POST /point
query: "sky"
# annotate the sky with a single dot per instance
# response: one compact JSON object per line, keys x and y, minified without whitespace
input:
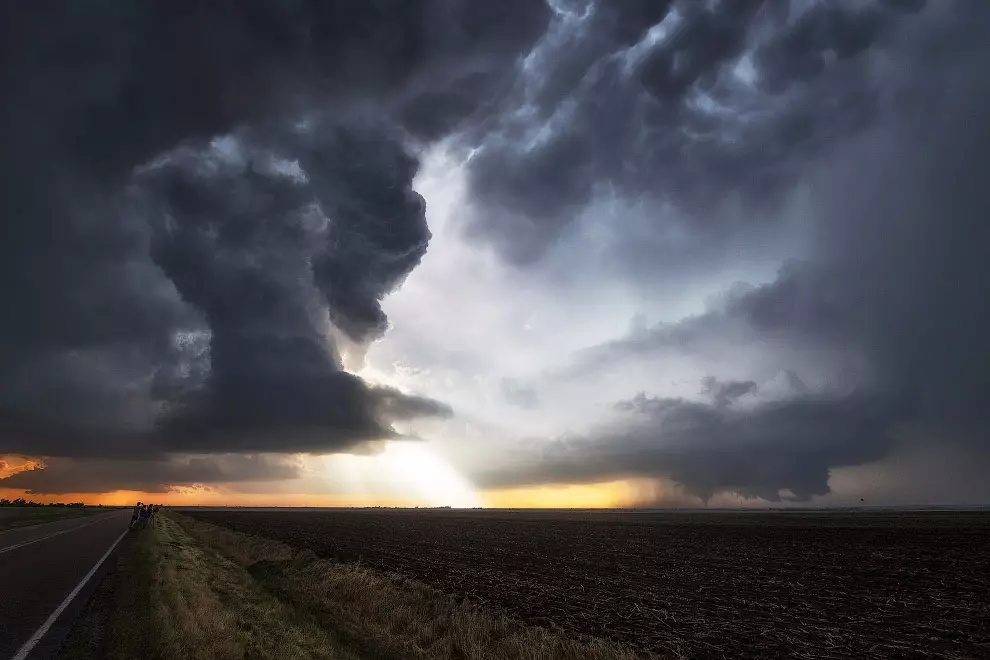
{"x":576,"y":253}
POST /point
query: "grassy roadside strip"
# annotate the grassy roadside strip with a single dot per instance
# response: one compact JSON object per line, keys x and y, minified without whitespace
{"x":171,"y":597}
{"x":186,"y":589}
{"x":376,"y":615}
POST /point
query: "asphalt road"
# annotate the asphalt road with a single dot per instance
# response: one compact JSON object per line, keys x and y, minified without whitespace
{"x":42,"y":565}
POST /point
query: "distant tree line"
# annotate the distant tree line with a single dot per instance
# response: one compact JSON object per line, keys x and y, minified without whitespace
{"x":20,"y":501}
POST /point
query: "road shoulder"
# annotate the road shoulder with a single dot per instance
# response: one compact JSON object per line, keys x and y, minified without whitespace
{"x":170,"y":597}
{"x":115,"y":622}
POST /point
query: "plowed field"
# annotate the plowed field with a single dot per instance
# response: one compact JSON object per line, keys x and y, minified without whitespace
{"x":701,"y":585}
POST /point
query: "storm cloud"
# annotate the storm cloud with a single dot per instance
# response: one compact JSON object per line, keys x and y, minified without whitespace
{"x":776,"y":450}
{"x":204,"y":205}
{"x":199,"y":198}
{"x":879,"y":329}
{"x":690,"y":104}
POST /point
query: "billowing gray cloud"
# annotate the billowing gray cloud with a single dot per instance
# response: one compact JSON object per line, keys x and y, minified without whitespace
{"x":685,"y":103}
{"x":199,"y":201}
{"x":724,"y":393}
{"x":804,"y":306}
{"x":896,"y":268}
{"x":197,"y":196}
{"x":889,"y":296}
{"x":272,"y":252}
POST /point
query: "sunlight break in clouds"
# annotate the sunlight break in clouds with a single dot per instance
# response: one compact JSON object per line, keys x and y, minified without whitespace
{"x":406,"y":471}
{"x":646,"y":251}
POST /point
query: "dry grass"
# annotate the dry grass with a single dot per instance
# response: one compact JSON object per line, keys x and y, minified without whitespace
{"x":373,"y":614}
{"x":173,"y":598}
{"x":208,"y":606}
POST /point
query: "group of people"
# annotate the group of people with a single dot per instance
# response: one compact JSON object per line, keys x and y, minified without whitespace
{"x":143,"y":515}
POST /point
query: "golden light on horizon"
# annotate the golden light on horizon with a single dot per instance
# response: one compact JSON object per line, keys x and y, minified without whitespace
{"x":407,"y":471}
{"x":603,"y":495}
{"x":405,"y":474}
{"x":430,"y":477}
{"x":191,"y":496}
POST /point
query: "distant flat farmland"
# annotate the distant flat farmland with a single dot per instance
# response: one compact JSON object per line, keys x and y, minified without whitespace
{"x":22,"y":516}
{"x":702,"y":585}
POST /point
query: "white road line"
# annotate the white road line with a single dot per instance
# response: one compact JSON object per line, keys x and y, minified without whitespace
{"x":52,"y":535}
{"x":40,"y":632}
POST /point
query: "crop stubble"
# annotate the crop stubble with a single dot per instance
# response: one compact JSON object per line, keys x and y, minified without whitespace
{"x":702,"y":585}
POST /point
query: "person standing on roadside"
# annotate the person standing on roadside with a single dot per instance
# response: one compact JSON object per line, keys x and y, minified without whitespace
{"x":135,"y":515}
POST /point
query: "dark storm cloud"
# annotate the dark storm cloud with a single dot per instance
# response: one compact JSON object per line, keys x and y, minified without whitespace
{"x":687,"y":103}
{"x":197,"y":197}
{"x":709,"y":448}
{"x":264,"y":248}
{"x":68,"y":475}
{"x":803,"y":306}
{"x":724,"y":393}
{"x":897,"y":277}
{"x":192,"y":308}
{"x":897,"y":270}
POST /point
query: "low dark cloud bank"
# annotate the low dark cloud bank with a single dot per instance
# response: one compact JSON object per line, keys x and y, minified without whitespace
{"x":710,"y":447}
{"x":67,"y":475}
{"x":192,"y":192}
{"x":196,"y":198}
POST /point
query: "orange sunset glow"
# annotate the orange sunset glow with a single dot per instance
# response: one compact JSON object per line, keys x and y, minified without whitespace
{"x":607,"y":494}
{"x":581,"y":496}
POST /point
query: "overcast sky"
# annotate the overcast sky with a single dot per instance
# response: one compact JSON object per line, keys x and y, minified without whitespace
{"x":573,"y":252}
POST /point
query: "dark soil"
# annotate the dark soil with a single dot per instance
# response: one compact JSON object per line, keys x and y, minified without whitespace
{"x":702,"y":585}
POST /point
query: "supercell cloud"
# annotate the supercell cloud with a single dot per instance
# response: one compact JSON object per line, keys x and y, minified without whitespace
{"x":689,"y":103}
{"x":196,"y":198}
{"x":205,"y":204}
{"x":875,"y":114}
